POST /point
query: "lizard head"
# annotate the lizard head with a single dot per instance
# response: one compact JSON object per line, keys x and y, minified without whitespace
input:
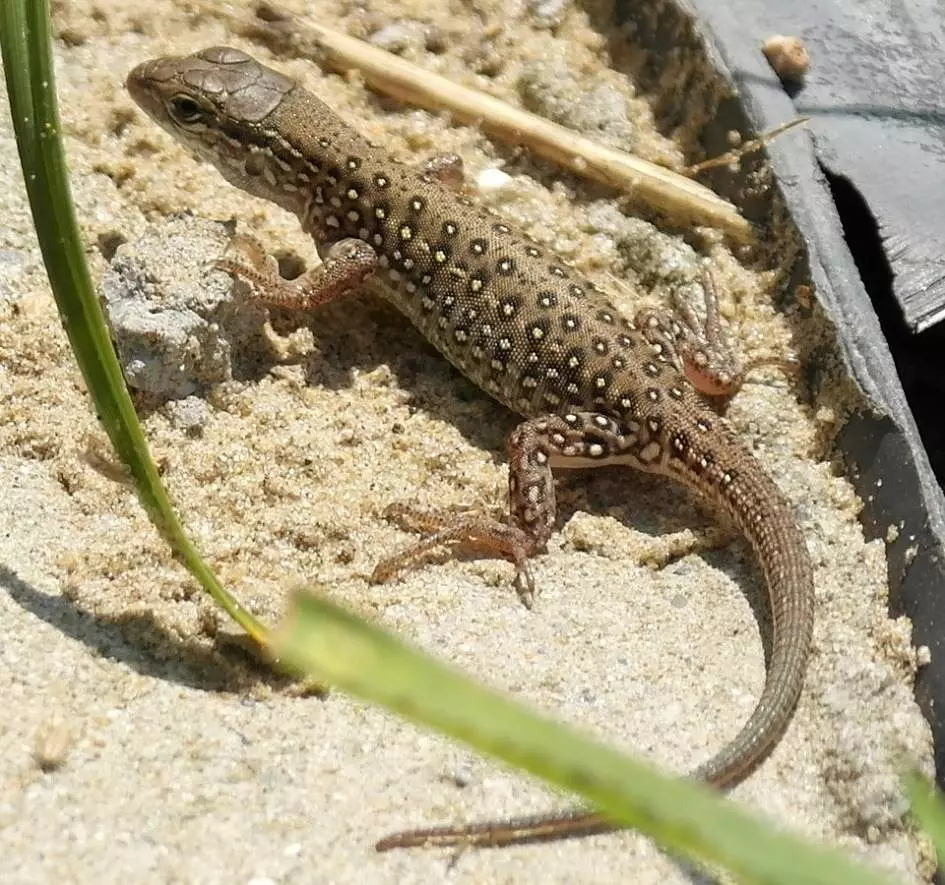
{"x":218,"y":103}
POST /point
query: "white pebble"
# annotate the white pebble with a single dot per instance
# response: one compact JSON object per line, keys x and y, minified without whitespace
{"x":493,"y":180}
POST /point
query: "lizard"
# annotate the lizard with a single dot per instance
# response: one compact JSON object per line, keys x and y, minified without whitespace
{"x":594,"y":387}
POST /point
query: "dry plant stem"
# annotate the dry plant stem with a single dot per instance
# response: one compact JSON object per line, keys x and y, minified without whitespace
{"x":756,"y":144}
{"x":660,"y":189}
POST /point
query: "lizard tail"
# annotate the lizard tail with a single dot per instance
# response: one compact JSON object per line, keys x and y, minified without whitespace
{"x":760,"y":510}
{"x":765,"y":517}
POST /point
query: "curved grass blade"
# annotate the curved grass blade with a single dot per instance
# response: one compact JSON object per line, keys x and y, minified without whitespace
{"x":686,"y":818}
{"x":27,"y":62}
{"x":928,"y":808}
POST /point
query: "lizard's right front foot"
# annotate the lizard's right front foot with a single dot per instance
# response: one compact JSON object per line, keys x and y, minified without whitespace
{"x":347,"y":264}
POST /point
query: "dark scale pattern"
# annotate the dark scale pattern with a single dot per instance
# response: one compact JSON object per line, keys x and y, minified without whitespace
{"x":461,"y":277}
{"x":595,"y":387}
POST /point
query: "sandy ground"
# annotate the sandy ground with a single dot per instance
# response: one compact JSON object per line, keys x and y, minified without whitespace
{"x":139,"y":746}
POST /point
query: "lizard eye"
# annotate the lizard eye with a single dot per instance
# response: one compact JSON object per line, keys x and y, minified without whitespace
{"x":184,"y":109}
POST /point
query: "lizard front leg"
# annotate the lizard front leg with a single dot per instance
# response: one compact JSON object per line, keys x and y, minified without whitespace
{"x":346,"y":265}
{"x":538,"y":444}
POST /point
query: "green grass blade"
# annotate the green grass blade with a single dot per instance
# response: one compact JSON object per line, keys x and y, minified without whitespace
{"x":28,"y":68}
{"x":686,"y":818}
{"x":928,"y":807}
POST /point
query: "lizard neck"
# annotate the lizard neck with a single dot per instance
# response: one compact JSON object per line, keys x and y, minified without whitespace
{"x":301,"y":156}
{"x":317,"y":165}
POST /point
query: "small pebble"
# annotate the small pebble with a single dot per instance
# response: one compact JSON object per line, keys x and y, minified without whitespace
{"x":53,"y":740}
{"x":189,"y":415}
{"x":491,"y":180}
{"x":549,"y":13}
{"x":402,"y":35}
{"x":788,"y":57}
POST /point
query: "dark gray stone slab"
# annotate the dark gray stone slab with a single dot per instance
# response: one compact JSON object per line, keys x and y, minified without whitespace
{"x":871,"y":93}
{"x":875,"y":100}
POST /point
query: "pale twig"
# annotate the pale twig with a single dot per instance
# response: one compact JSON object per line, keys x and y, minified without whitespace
{"x":670,"y":193}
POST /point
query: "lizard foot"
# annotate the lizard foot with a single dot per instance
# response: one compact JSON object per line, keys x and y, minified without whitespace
{"x":471,"y":531}
{"x":347,"y":264}
{"x":698,"y":348}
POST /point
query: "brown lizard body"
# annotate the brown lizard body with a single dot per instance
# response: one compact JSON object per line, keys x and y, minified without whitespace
{"x":595,"y":388}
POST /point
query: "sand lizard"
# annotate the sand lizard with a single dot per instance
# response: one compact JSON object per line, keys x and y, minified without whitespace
{"x":594,"y":387}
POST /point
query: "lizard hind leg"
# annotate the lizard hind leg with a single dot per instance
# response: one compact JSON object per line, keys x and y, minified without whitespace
{"x":696,"y":347}
{"x":472,"y":531}
{"x":534,"y":447}
{"x":532,"y":511}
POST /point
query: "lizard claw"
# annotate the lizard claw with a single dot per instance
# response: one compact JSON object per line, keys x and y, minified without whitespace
{"x":525,"y":585}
